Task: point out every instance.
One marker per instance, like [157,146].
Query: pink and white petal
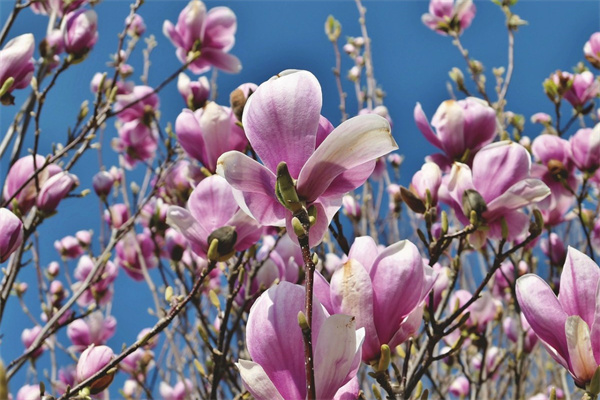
[365,251]
[408,327]
[182,220]
[578,286]
[325,128]
[282,117]
[247,229]
[595,328]
[254,187]
[212,203]
[221,60]
[170,32]
[424,127]
[219,28]
[352,144]
[398,277]
[582,361]
[190,23]
[349,391]
[190,136]
[507,162]
[257,382]
[350,179]
[322,291]
[517,222]
[543,312]
[334,354]
[198,66]
[449,123]
[215,128]
[519,195]
[352,294]
[460,179]
[274,339]
[326,209]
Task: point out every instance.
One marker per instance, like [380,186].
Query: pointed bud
[472,201]
[412,201]
[285,189]
[226,238]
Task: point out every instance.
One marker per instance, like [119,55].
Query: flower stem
[309,271]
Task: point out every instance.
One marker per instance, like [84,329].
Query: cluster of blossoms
[236,228]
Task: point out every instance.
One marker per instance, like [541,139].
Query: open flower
[211,33]
[283,123]
[276,346]
[11,233]
[460,126]
[383,289]
[447,16]
[500,198]
[212,213]
[17,65]
[568,325]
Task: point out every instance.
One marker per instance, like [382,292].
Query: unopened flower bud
[226,237]
[473,201]
[11,233]
[92,360]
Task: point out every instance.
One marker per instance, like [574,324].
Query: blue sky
[410,62]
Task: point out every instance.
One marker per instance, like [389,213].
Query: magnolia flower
[585,149]
[95,329]
[11,233]
[568,325]
[503,197]
[210,33]
[135,25]
[180,391]
[591,50]
[136,253]
[383,289]
[100,291]
[275,344]
[460,126]
[447,16]
[283,124]
[17,67]
[92,360]
[208,132]
[80,32]
[212,213]
[56,188]
[194,93]
[583,88]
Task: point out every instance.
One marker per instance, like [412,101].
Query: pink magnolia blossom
[11,233]
[80,32]
[92,360]
[103,183]
[210,208]
[28,336]
[447,16]
[556,169]
[56,188]
[101,289]
[136,253]
[135,25]
[140,104]
[591,49]
[180,179]
[459,126]
[585,149]
[194,93]
[95,329]
[17,63]
[21,171]
[60,7]
[283,124]
[136,142]
[208,132]
[29,392]
[275,344]
[584,88]
[351,207]
[211,33]
[567,325]
[504,196]
[554,248]
[512,331]
[460,387]
[383,289]
[181,391]
[116,215]
[428,178]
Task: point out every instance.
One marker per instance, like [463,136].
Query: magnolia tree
[260,230]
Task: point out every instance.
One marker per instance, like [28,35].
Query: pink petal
[578,285]
[256,381]
[581,356]
[322,291]
[254,187]
[423,124]
[352,294]
[365,251]
[336,346]
[507,162]
[398,278]
[224,61]
[170,32]
[212,203]
[543,312]
[449,123]
[190,136]
[181,220]
[595,327]
[247,229]
[219,28]
[353,143]
[326,209]
[281,119]
[517,196]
